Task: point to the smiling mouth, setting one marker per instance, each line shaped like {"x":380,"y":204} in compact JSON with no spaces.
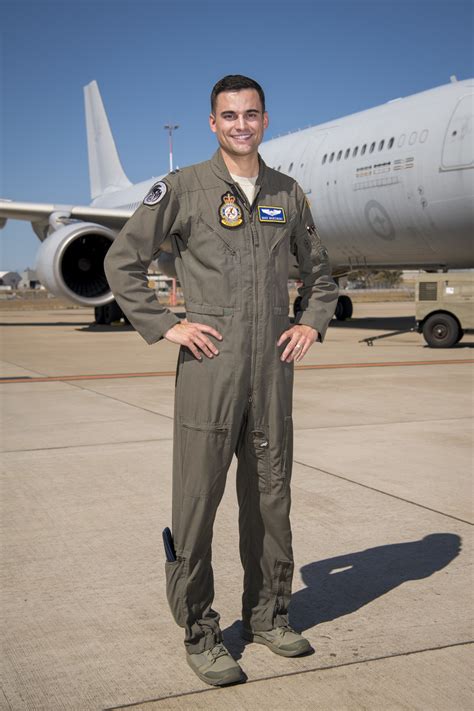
{"x":242,"y":137}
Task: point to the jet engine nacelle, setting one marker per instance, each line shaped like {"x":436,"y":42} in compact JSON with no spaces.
{"x":70,"y":263}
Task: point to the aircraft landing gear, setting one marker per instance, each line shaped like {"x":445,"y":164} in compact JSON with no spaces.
{"x":296,"y":306}
{"x":344,"y":308}
{"x":108,"y":313}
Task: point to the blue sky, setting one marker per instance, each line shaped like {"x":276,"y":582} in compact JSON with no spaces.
{"x":156,"y":62}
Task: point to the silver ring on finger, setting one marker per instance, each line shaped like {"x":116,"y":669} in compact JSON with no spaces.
{"x":298,"y":347}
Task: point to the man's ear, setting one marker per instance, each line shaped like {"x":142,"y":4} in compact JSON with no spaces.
{"x":212,"y":123}
{"x":266,"y":120}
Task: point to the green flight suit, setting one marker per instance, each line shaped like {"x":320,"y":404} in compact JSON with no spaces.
{"x":232,"y":261}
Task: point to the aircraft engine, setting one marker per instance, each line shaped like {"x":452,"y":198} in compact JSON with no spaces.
{"x":70,"y":263}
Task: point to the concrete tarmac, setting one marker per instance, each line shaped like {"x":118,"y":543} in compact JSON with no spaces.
{"x":381,"y":509}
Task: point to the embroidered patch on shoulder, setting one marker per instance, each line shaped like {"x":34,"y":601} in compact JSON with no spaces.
{"x":155,"y":194}
{"x":267,"y":213}
{"x":230,"y":212}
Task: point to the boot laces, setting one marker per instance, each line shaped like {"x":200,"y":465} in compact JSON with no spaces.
{"x":218,"y":651}
{"x":284,"y":628}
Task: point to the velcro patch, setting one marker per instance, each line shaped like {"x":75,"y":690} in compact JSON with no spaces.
{"x":267,"y":213}
{"x":155,"y":194}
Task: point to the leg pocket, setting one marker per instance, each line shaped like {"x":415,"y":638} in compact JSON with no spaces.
{"x":260,"y":448}
{"x":283,"y":461}
{"x":176,"y":574}
{"x":206,"y":457}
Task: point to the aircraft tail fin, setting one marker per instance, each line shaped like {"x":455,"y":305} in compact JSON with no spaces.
{"x":106,"y":174}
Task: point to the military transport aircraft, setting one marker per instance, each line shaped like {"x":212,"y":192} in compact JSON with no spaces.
{"x":391,"y":187}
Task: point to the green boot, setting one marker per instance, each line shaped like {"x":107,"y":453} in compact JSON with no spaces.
{"x":281,"y":640}
{"x":215,"y":666}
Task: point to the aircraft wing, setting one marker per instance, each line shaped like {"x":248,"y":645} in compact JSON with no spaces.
{"x":34,"y":212}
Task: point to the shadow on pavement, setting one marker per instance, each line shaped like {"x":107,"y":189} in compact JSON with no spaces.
{"x":377,"y":323}
{"x":339,"y":586}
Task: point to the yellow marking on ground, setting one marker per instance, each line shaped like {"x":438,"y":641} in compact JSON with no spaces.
{"x":172,"y":373}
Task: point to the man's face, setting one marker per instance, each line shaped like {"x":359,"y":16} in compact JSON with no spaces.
{"x":239,"y":122}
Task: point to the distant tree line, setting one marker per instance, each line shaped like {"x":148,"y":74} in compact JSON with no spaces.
{"x":374,"y":279}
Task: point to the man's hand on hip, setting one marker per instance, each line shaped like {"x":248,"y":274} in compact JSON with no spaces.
{"x":301,"y":338}
{"x":192,"y":335}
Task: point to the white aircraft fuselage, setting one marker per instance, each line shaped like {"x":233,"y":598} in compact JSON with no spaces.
{"x":390,"y":187}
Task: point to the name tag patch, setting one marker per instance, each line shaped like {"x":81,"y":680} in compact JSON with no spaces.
{"x":267,"y":213}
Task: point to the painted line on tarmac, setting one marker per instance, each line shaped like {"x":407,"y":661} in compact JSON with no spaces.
{"x":369,"y":660}
{"x":381,"y":491}
{"x":172,"y":373}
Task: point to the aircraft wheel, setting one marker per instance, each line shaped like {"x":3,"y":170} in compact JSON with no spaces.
{"x":441,"y":331}
{"x":297,"y":306}
{"x":344,"y":308}
{"x":99,"y":314}
{"x":108,"y":313}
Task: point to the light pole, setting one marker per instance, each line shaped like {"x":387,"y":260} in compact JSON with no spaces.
{"x":170,"y":127}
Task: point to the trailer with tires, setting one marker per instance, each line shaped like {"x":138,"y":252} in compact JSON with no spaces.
{"x":444,"y":307}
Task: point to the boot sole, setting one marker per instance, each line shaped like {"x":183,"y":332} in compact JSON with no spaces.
{"x":254,"y":637}
{"x":225,"y":681}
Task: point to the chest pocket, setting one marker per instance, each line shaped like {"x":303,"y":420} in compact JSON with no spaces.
{"x":213,"y":268}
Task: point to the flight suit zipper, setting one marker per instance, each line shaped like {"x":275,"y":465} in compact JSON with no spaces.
{"x":255,"y":243}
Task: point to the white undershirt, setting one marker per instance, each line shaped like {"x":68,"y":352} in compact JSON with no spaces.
{"x":247,"y":185}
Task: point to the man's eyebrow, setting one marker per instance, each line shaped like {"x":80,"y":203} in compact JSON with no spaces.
{"x":247,"y":111}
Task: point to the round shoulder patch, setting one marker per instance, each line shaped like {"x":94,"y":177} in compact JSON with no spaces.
{"x":155,"y":194}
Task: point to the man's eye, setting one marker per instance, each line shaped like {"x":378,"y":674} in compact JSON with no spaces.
{"x":229,"y":117}
{"x":252,"y":115}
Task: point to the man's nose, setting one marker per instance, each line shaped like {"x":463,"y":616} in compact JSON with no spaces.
{"x":241,"y":123}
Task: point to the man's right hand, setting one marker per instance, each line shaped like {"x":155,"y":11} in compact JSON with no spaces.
{"x":192,"y":335}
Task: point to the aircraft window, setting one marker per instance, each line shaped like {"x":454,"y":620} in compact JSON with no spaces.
{"x":423,"y":135}
{"x":290,"y":167}
{"x":401,"y":140}
{"x":372,"y":146}
{"x":381,"y":145}
{"x":339,"y":155}
{"x":347,"y":153}
{"x":391,"y":142}
{"x":412,"y":138}
{"x":363,"y":149}
{"x":331,"y":157}
{"x":279,"y":167}
{"x":355,"y":151}
{"x":301,"y":165}
{"x":325,"y":157}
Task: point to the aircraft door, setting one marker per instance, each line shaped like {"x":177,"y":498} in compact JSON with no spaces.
{"x":458,"y":146}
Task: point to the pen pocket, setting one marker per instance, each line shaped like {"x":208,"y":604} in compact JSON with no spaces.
{"x":176,"y":575}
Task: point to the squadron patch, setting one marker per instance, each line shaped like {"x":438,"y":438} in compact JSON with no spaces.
{"x":230,"y":212}
{"x":267,"y":213}
{"x":155,"y":194}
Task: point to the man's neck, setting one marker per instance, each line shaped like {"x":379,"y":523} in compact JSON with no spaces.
{"x":243,"y":166}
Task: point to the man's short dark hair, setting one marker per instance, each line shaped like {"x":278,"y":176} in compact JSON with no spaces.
{"x":235,"y":82}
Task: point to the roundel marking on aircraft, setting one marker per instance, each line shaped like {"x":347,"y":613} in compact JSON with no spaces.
{"x":379,"y":220}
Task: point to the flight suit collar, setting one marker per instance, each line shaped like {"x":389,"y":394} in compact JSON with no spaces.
{"x":220,"y":169}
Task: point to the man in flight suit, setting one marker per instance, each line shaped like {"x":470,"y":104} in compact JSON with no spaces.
{"x":233,"y":223}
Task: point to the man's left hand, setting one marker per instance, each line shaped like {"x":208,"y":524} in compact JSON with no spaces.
{"x":301,"y":339}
